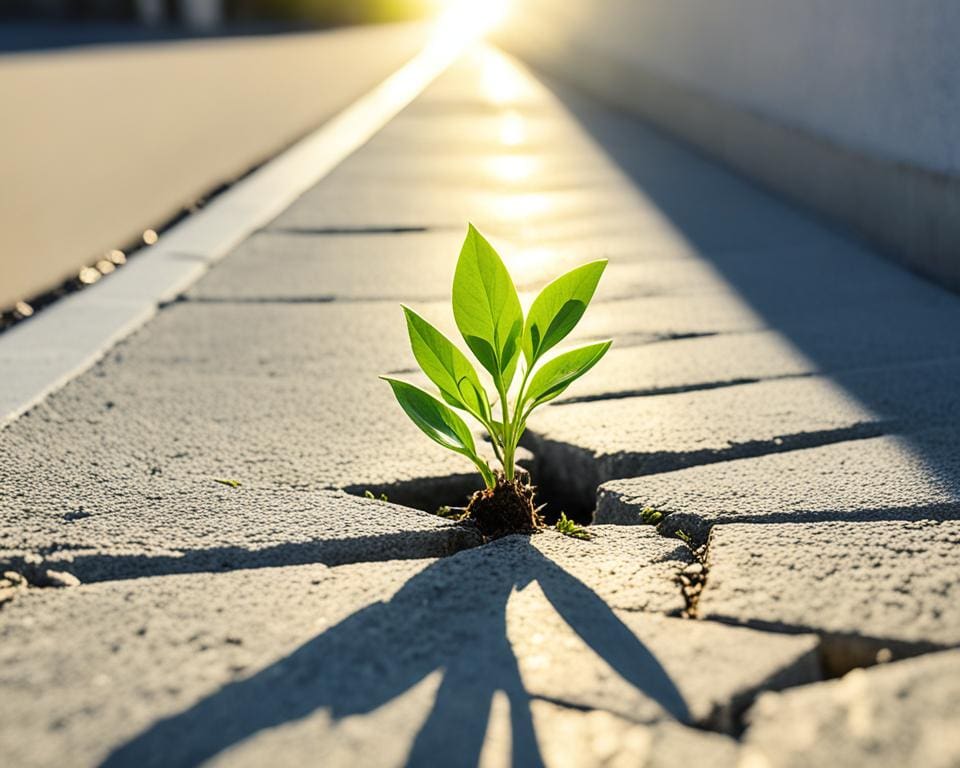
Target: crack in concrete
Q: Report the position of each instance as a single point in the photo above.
(371, 230)
(838, 654)
(315, 299)
(693, 578)
(60, 568)
(570, 472)
(671, 390)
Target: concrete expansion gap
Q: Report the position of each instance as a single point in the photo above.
(334, 231)
(57, 566)
(643, 339)
(842, 653)
(838, 653)
(740, 381)
(674, 390)
(572, 473)
(317, 299)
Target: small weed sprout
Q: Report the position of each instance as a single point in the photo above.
(450, 513)
(370, 495)
(511, 349)
(651, 516)
(685, 537)
(569, 528)
(227, 481)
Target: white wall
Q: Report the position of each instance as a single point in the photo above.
(851, 107)
(881, 76)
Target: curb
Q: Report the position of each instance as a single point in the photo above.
(41, 355)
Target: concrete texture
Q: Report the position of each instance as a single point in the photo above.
(631, 569)
(715, 669)
(328, 659)
(80, 187)
(867, 586)
(272, 396)
(529, 650)
(107, 660)
(906, 713)
(882, 478)
(217, 528)
(612, 439)
(572, 738)
(677, 365)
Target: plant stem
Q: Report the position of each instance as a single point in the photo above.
(512, 435)
(507, 459)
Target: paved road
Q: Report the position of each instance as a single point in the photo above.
(102, 142)
(784, 397)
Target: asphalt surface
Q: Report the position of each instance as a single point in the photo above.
(103, 141)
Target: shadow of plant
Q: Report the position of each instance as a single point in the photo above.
(451, 617)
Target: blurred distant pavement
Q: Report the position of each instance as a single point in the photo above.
(105, 135)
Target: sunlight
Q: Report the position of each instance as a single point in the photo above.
(511, 168)
(520, 207)
(502, 82)
(513, 129)
(529, 265)
(461, 23)
(478, 15)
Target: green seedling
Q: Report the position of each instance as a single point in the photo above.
(685, 537)
(227, 481)
(651, 516)
(450, 513)
(569, 528)
(370, 495)
(512, 352)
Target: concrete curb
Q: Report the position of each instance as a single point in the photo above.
(41, 355)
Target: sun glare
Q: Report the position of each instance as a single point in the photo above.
(502, 83)
(513, 130)
(511, 168)
(478, 15)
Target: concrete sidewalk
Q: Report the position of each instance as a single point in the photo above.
(785, 397)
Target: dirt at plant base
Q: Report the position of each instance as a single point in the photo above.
(505, 509)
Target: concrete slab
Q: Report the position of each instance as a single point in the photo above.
(87, 669)
(688, 364)
(572, 738)
(581, 445)
(272, 396)
(327, 660)
(125, 535)
(906, 713)
(632, 569)
(869, 587)
(703, 673)
(396, 266)
(882, 478)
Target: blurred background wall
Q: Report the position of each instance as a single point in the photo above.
(211, 14)
(851, 107)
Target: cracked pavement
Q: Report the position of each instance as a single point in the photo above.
(785, 397)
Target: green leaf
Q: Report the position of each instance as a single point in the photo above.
(558, 308)
(558, 374)
(446, 366)
(436, 420)
(486, 307)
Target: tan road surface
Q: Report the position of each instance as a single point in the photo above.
(99, 143)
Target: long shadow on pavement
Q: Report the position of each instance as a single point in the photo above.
(885, 336)
(450, 617)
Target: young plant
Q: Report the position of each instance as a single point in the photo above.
(568, 527)
(511, 349)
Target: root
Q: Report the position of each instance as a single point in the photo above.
(505, 509)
